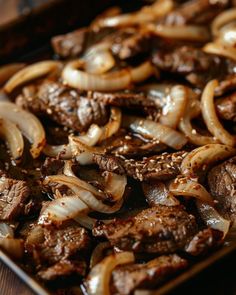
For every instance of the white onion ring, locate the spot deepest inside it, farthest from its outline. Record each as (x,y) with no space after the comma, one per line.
(186,186)
(31,72)
(111,81)
(210,117)
(8,70)
(147,14)
(84,194)
(220,49)
(62,209)
(183,32)
(98,62)
(28,123)
(58,151)
(113,125)
(223,18)
(175,106)
(85,221)
(115,185)
(193,110)
(98,279)
(227,35)
(212,218)
(156,131)
(200,158)
(11,133)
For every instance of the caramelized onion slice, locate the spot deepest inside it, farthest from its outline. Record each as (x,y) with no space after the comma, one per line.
(198,160)
(146,14)
(62,209)
(183,32)
(175,106)
(212,218)
(58,151)
(8,70)
(115,185)
(11,133)
(6,230)
(155,131)
(98,253)
(27,123)
(222,19)
(98,279)
(85,221)
(111,81)
(14,247)
(98,62)
(31,72)
(185,186)
(219,48)
(84,194)
(227,34)
(210,116)
(113,125)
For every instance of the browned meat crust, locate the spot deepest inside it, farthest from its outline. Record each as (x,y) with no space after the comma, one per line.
(226,107)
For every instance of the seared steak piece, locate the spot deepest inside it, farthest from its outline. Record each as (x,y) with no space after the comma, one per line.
(127,278)
(158,167)
(195,12)
(226,107)
(222,184)
(63,104)
(192,63)
(72,44)
(52,166)
(159,229)
(62,269)
(59,244)
(123,99)
(157,193)
(13,195)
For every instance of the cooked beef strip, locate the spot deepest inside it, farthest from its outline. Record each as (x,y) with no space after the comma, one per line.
(195,12)
(226,107)
(160,229)
(192,63)
(63,269)
(127,278)
(63,104)
(157,193)
(60,244)
(52,166)
(222,184)
(158,167)
(13,195)
(72,44)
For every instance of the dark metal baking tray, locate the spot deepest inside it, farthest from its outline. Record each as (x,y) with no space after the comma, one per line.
(43,51)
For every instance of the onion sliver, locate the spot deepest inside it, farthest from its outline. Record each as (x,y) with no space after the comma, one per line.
(227,34)
(6,231)
(11,133)
(85,221)
(58,151)
(14,247)
(27,123)
(31,72)
(210,116)
(98,253)
(184,32)
(146,14)
(223,18)
(155,131)
(62,209)
(218,48)
(115,185)
(99,277)
(111,81)
(200,158)
(8,70)
(175,106)
(84,194)
(185,186)
(92,136)
(98,62)
(113,125)
(212,218)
